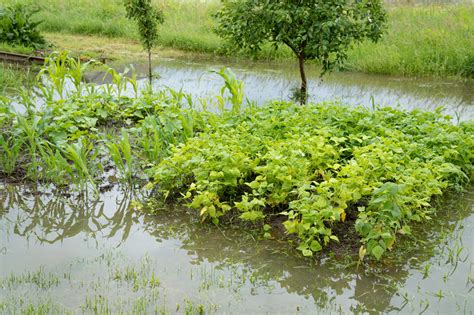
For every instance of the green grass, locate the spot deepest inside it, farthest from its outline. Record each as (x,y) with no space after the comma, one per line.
(13,78)
(188,25)
(16,49)
(421,40)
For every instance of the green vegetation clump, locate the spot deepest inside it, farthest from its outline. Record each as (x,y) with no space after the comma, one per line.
(317,169)
(18,28)
(320,166)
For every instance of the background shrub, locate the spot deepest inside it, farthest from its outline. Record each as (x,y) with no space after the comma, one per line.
(17,26)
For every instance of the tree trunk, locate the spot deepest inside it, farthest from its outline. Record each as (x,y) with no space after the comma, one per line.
(150,77)
(304,82)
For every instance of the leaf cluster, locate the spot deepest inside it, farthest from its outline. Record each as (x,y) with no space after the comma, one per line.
(318,166)
(17,26)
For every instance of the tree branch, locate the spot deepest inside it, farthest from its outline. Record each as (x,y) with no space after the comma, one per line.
(287,43)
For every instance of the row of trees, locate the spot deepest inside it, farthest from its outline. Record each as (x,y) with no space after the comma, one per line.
(321,30)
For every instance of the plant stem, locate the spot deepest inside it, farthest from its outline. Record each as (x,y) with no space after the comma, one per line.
(149,67)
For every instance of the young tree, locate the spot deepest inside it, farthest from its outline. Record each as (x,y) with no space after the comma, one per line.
(148,18)
(322,30)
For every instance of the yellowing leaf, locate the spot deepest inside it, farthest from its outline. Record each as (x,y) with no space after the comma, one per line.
(362,251)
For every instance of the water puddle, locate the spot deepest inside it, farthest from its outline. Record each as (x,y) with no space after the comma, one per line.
(104,255)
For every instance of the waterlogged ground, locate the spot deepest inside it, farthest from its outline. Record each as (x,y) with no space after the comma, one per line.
(265,81)
(105,255)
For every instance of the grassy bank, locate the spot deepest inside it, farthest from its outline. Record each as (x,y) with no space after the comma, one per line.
(425,40)
(421,40)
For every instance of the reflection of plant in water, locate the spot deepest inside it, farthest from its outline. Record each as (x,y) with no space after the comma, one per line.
(321,280)
(253,265)
(53,219)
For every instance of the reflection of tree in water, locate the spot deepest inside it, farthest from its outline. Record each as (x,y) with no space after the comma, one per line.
(52,219)
(370,287)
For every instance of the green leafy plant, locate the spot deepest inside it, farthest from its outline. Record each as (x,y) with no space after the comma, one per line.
(321,166)
(313,29)
(17,26)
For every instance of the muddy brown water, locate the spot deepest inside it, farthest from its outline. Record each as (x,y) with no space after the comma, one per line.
(106,255)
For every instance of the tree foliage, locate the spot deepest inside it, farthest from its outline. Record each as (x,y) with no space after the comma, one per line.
(148,19)
(321,30)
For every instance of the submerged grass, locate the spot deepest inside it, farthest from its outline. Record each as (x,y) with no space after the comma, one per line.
(421,40)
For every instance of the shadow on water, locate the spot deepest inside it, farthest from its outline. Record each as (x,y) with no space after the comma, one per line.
(227,266)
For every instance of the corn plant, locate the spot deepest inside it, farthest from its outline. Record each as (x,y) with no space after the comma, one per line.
(119,81)
(55,72)
(31,133)
(10,149)
(82,154)
(76,71)
(235,88)
(55,168)
(121,154)
(151,142)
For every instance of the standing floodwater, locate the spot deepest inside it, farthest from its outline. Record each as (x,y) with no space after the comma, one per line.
(104,255)
(63,251)
(266,81)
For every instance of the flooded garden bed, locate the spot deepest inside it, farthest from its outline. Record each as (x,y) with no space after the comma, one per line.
(122,199)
